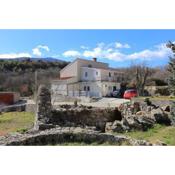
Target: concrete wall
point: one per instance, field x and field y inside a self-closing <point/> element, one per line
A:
<point x="95" y="88"/>
<point x="115" y="75"/>
<point x="73" y="69"/>
<point x="70" y="70"/>
<point x="93" y="74"/>
<point x="107" y="87"/>
<point x="58" y="89"/>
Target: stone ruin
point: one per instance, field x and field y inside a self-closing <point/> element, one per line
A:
<point x="88" y="124"/>
<point x="70" y="116"/>
<point x="140" y="117"/>
<point x="43" y="109"/>
<point x="127" y="117"/>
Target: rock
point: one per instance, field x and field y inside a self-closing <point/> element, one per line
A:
<point x="132" y="123"/>
<point x="117" y="126"/>
<point x="135" y="142"/>
<point x="166" y="108"/>
<point x="44" y="107"/>
<point x="160" y="143"/>
<point x="173" y="112"/>
<point x="147" y="122"/>
<point x="45" y="126"/>
<point x="160" y="116"/>
<point x="149" y="108"/>
<point x="108" y="127"/>
<point x="141" y="113"/>
<point x="136" y="107"/>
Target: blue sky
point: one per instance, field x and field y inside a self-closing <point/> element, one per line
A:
<point x="119" y="48"/>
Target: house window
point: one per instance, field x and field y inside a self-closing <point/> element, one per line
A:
<point x="89" y="65"/>
<point x="97" y="73"/>
<point x="88" y="88"/>
<point x="84" y="88"/>
<point x="109" y="74"/>
<point x="86" y="74"/>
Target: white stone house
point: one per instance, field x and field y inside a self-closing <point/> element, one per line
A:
<point x="86" y="78"/>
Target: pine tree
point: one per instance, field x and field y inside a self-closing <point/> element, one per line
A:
<point x="171" y="68"/>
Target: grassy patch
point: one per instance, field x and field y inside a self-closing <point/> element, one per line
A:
<point x="156" y="98"/>
<point x="162" y="133"/>
<point x="90" y="144"/>
<point x="15" y="122"/>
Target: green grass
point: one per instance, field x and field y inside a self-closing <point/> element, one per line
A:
<point x="156" y="98"/>
<point x="15" y="122"/>
<point x="89" y="144"/>
<point x="162" y="133"/>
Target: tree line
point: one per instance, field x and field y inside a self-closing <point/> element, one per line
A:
<point x="19" y="76"/>
<point x="28" y="65"/>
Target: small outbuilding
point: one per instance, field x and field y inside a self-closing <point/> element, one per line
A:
<point x="9" y="98"/>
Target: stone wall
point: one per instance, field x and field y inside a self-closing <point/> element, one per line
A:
<point x="69" y="135"/>
<point x="82" y="116"/>
<point x="44" y="108"/>
<point x="66" y="115"/>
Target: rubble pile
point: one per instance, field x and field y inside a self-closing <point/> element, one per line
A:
<point x="140" y="117"/>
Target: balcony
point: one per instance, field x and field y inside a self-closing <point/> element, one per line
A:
<point x="112" y="78"/>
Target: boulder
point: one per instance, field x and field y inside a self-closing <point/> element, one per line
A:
<point x="166" y="108"/>
<point x="140" y="113"/>
<point x="108" y="127"/>
<point x="117" y="126"/>
<point x="146" y="122"/>
<point x="160" y="116"/>
<point x="160" y="143"/>
<point x="132" y="123"/>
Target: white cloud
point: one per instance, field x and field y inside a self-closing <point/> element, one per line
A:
<point x="14" y="55"/>
<point x="120" y="45"/>
<point x="112" y="52"/>
<point x="71" y="53"/>
<point x="44" y="47"/>
<point x="37" y="50"/>
<point x="84" y="47"/>
<point x="159" y="51"/>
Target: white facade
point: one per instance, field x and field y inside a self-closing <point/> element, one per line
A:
<point x="86" y="78"/>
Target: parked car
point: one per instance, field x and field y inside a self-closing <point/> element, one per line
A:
<point x="116" y="93"/>
<point x="128" y="94"/>
<point x="109" y="94"/>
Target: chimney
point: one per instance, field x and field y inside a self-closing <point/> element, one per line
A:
<point x="94" y="59"/>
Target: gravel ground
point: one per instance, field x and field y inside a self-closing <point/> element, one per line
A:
<point x="102" y="103"/>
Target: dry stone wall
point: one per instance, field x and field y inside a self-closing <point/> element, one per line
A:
<point x="62" y="135"/>
<point x="44" y="108"/>
<point x="68" y="116"/>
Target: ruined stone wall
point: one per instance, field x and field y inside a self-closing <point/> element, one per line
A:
<point x="65" y="135"/>
<point x="67" y="115"/>
<point x="85" y="117"/>
<point x="44" y="107"/>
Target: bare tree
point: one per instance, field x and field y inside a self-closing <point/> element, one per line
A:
<point x="142" y="73"/>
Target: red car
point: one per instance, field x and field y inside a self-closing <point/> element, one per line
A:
<point x="130" y="93"/>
